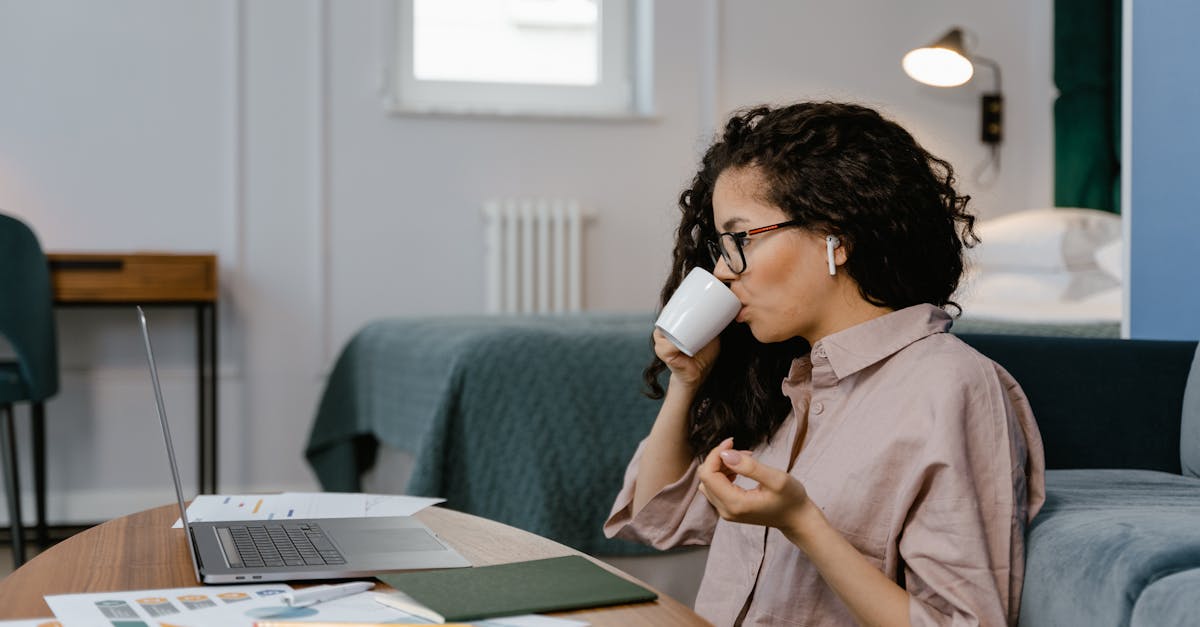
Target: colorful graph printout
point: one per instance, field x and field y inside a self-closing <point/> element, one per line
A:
<point x="179" y="607"/>
<point x="241" y="606"/>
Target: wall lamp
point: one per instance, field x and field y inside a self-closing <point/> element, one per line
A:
<point x="946" y="63"/>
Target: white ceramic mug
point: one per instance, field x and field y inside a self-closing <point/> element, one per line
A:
<point x="698" y="311"/>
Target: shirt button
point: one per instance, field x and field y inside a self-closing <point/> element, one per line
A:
<point x="818" y="407"/>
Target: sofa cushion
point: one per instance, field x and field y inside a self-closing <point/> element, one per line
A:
<point x="1189" y="434"/>
<point x="1170" y="601"/>
<point x="1102" y="537"/>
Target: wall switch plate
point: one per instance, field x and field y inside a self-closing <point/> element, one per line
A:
<point x="992" y="120"/>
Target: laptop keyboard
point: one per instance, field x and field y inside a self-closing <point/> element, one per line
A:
<point x="277" y="545"/>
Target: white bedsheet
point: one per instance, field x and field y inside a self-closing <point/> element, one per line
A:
<point x="1100" y="309"/>
<point x="1041" y="297"/>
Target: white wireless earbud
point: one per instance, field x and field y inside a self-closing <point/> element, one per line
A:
<point x="831" y="242"/>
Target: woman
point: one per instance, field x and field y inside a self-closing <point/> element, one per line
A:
<point x="884" y="476"/>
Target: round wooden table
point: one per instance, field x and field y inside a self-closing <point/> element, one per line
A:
<point x="142" y="552"/>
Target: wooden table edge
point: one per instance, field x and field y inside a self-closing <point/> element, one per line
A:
<point x="160" y="555"/>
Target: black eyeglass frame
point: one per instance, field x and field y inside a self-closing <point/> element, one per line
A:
<point x="717" y="251"/>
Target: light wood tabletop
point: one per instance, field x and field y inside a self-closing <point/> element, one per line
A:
<point x="141" y="551"/>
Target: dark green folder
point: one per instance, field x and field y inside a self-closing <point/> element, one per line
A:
<point x="549" y="585"/>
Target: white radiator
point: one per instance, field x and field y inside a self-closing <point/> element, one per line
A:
<point x="533" y="255"/>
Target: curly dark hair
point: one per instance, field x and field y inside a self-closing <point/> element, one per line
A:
<point x="842" y="169"/>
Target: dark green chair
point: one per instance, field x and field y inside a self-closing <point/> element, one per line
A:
<point x="27" y="324"/>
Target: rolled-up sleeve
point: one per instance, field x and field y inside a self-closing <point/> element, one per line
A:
<point x="948" y="573"/>
<point x="963" y="543"/>
<point x="677" y="516"/>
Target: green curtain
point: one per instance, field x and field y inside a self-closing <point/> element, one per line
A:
<point x="1087" y="114"/>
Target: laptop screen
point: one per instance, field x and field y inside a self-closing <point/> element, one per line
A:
<point x="166" y="429"/>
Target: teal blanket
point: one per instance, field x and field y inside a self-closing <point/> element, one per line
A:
<point x="527" y="420"/>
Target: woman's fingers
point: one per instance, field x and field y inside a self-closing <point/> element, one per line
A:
<point x="768" y="504"/>
<point x="743" y="463"/>
<point x="712" y="461"/>
<point x="715" y="478"/>
<point x="691" y="370"/>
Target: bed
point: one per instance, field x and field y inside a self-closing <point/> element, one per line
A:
<point x="1051" y="271"/>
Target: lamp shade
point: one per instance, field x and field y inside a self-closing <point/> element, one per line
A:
<point x="943" y="63"/>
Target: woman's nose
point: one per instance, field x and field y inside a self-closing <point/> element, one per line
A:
<point x="722" y="271"/>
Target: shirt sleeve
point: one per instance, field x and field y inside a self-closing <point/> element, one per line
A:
<point x="980" y="481"/>
<point x="677" y="516"/>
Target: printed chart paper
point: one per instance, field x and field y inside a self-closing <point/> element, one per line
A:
<point x="177" y="607"/>
<point x="233" y="606"/>
<point x="216" y="507"/>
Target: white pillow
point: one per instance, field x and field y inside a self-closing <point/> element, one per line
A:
<point x="1046" y="240"/>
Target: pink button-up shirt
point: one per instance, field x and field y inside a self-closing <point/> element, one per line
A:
<point x="922" y="452"/>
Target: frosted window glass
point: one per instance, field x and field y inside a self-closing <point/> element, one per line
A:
<point x="548" y="42"/>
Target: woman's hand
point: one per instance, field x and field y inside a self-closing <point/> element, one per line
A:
<point x="779" y="501"/>
<point x="686" y="371"/>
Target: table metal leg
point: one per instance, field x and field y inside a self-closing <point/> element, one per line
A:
<point x="212" y="382"/>
<point x="8" y="458"/>
<point x="206" y="394"/>
<point x="37" y="413"/>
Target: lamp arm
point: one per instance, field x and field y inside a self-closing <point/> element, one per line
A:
<point x="995" y="67"/>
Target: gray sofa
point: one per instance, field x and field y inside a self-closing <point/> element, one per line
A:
<point x="1117" y="543"/>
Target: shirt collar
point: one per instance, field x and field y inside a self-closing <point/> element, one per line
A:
<point x="863" y="345"/>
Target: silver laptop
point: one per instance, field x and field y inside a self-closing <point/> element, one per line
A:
<point x="276" y="550"/>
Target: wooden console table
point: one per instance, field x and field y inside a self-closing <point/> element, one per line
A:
<point x="155" y="279"/>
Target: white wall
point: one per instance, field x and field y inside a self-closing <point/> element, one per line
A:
<point x="784" y="50"/>
<point x="256" y="130"/>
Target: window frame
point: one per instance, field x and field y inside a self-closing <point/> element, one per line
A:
<point x="623" y="90"/>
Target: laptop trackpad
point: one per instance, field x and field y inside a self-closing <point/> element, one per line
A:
<point x="375" y="541"/>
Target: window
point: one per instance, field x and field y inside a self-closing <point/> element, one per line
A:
<point x="522" y="57"/>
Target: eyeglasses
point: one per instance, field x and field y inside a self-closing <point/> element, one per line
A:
<point x="728" y="246"/>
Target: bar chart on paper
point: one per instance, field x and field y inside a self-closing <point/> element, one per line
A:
<point x="175" y="607"/>
<point x="216" y="507"/>
<point x="245" y="507"/>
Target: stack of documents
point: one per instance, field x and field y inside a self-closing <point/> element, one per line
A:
<point x="235" y="606"/>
